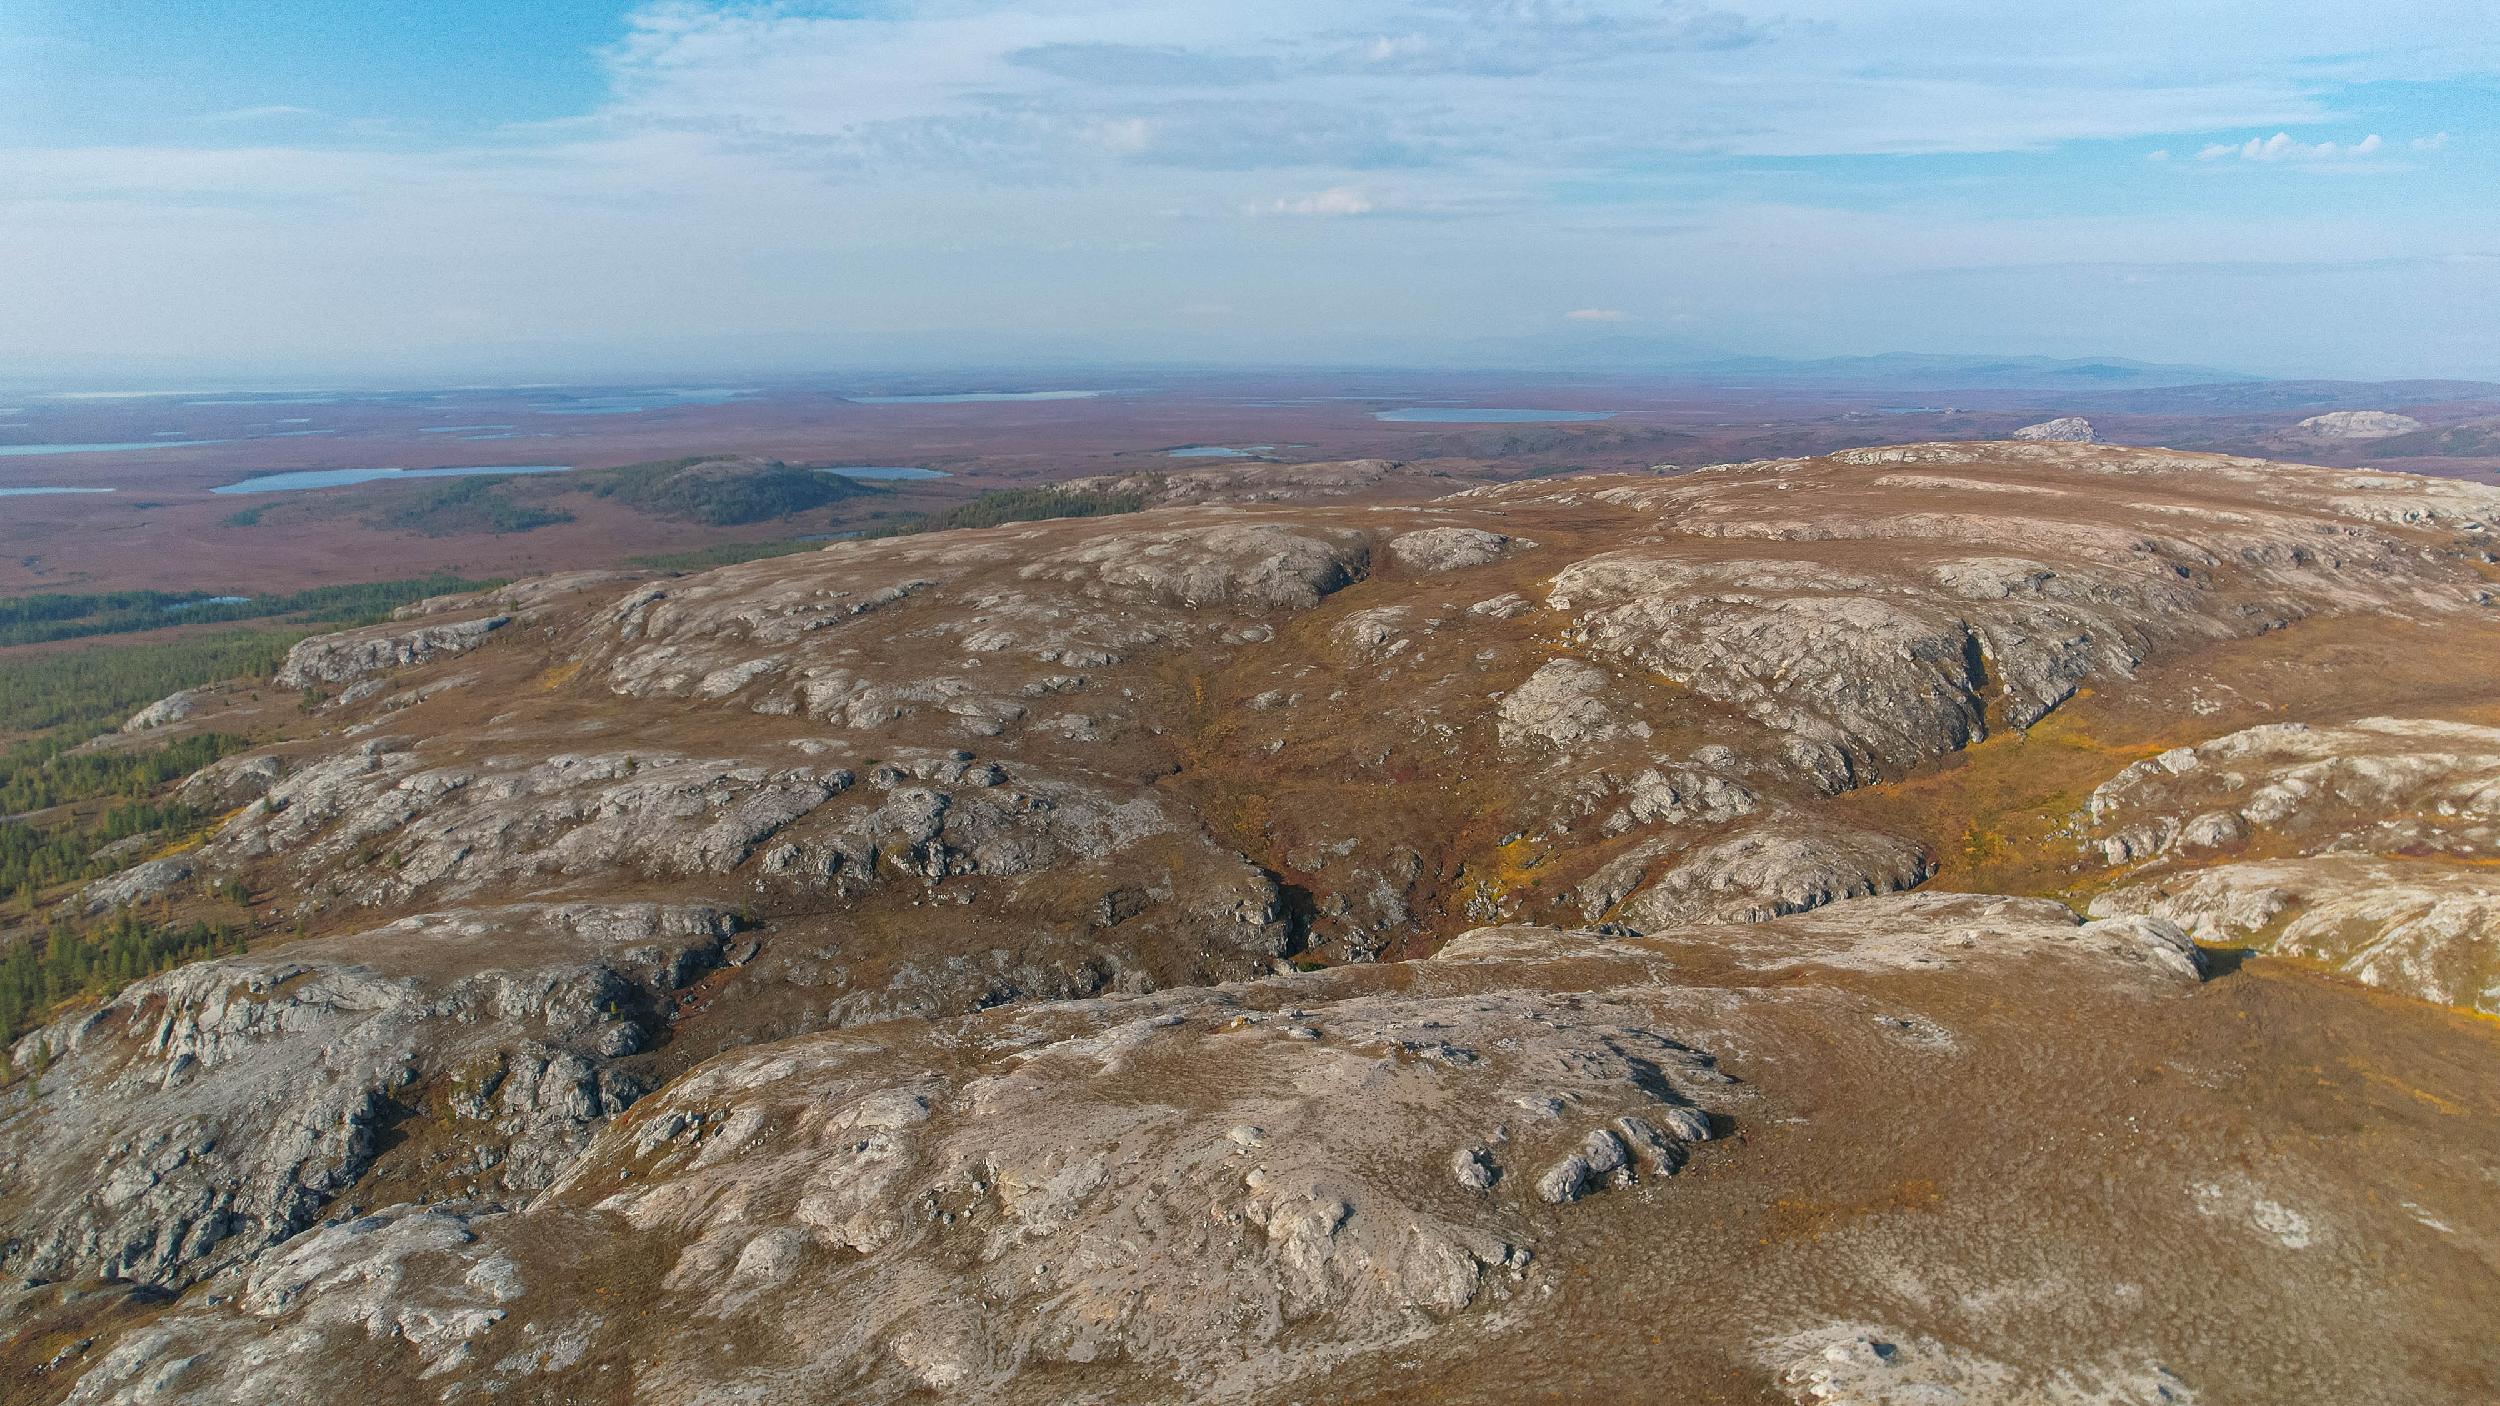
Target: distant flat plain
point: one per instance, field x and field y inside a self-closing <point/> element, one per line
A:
<point x="177" y="517"/>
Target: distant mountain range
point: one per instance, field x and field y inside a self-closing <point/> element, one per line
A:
<point x="1907" y="370"/>
<point x="2255" y="396"/>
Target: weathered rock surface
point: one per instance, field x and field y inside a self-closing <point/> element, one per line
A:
<point x="1251" y="566"/>
<point x="219" y="1108"/>
<point x="523" y="600"/>
<point x="2357" y="424"/>
<point x="2364" y="846"/>
<point x="352" y="655"/>
<point x="2377" y="785"/>
<point x="2420" y="928"/>
<point x="1266" y="483"/>
<point x="1770" y="870"/>
<point x="137" y="884"/>
<point x="2065" y="429"/>
<point x="1452" y="548"/>
<point x="164" y="712"/>
<point x="963" y="1207"/>
<point x="997" y="1093"/>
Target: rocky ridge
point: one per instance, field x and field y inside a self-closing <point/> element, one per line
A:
<point x="893" y="938"/>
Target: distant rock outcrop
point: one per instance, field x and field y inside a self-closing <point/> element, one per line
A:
<point x="2065" y="429"/>
<point x="2357" y="424"/>
<point x="354" y="654"/>
<point x="164" y="712"/>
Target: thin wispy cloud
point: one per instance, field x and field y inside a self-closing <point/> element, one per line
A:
<point x="271" y="112"/>
<point x="1597" y="315"/>
<point x="2282" y="147"/>
<point x="1335" y="202"/>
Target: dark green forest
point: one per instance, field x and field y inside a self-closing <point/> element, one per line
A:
<point x="42" y="619"/>
<point x="1013" y="505"/>
<point x="721" y="492"/>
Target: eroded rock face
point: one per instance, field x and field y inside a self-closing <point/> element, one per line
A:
<point x="219" y="1108"/>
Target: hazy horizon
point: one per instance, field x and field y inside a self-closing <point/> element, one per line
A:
<point x="591" y="189"/>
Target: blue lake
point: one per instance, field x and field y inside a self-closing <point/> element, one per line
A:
<point x="637" y="402"/>
<point x="333" y="478"/>
<point x="881" y="471"/>
<point x="970" y="397"/>
<point x="31" y="492"/>
<point x="457" y="429"/>
<point x="1468" y="415"/>
<point x="1220" y="451"/>
<point x="17" y="451"/>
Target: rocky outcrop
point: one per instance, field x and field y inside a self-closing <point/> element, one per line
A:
<point x="141" y="882"/>
<point x="2420" y="928"/>
<point x="1324" y="1167"/>
<point x="2377" y="785"/>
<point x="523" y="600"/>
<point x="2357" y="425"/>
<point x="220" y="1108"/>
<point x="1562" y="706"/>
<point x="164" y="712"/>
<point x="1262" y="482"/>
<point x="355" y="654"/>
<point x="1862" y="1364"/>
<point x="230" y="782"/>
<point x="1452" y="548"/>
<point x="1250" y="566"/>
<point x="2362" y="846"/>
<point x="1003" y="1093"/>
<point x="2065" y="429"/>
<point x="1768" y="871"/>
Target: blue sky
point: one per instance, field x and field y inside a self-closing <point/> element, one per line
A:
<point x="482" y="188"/>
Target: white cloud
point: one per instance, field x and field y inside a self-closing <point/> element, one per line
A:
<point x="2433" y="142"/>
<point x="1334" y="201"/>
<point x="1124" y="134"/>
<point x="1403" y="168"/>
<point x="2281" y="147"/>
